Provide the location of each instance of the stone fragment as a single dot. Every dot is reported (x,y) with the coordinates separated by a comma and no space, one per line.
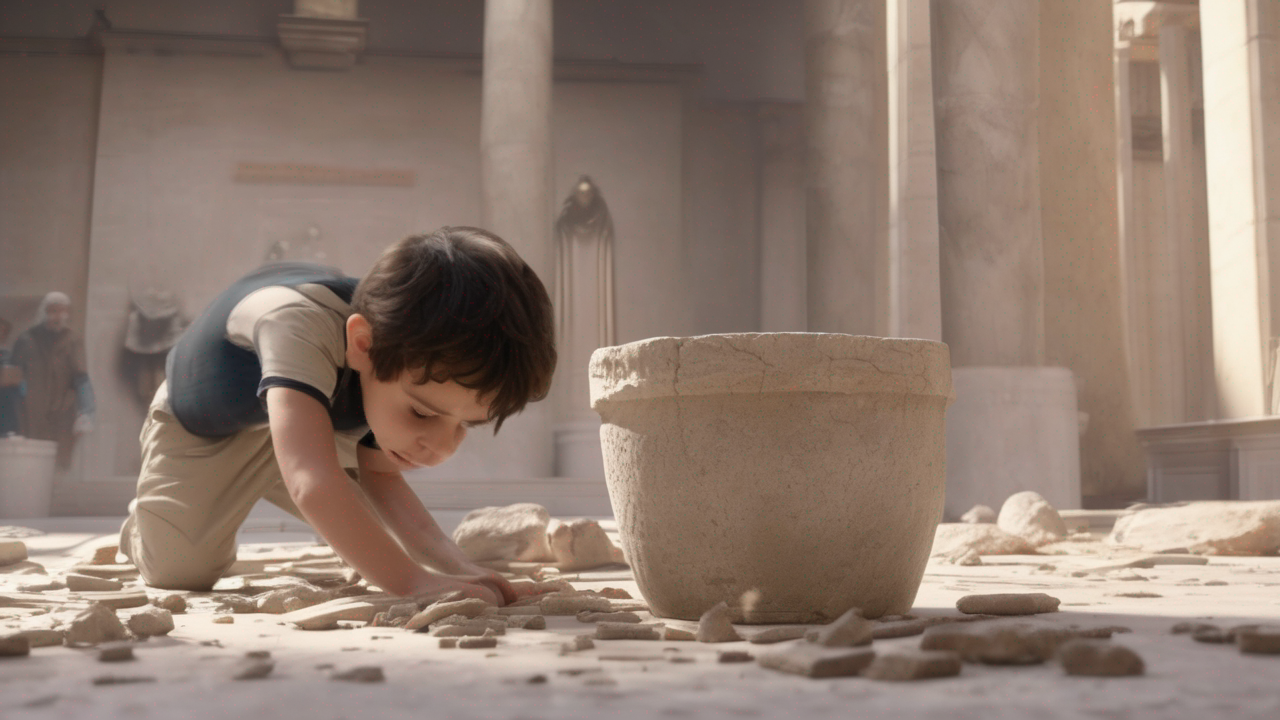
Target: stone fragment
(979,515)
(714,626)
(150,622)
(473,628)
(982,539)
(527,622)
(105,555)
(1029,516)
(513,532)
(237,604)
(44,637)
(15,645)
(96,624)
(537,680)
(900,628)
(848,630)
(361,674)
(175,604)
(44,586)
(1258,641)
(405,610)
(224,620)
(734,656)
(274,601)
(258,655)
(963,556)
(565,604)
(1203,528)
(293,604)
(1210,634)
(622,617)
(614,593)
(1099,658)
(470,607)
(115,652)
(580,544)
(578,643)
(122,679)
(116,600)
(1007,604)
(628,631)
(914,665)
(447,643)
(12,552)
(1019,644)
(675,634)
(253,669)
(816,661)
(474,643)
(325,615)
(777,634)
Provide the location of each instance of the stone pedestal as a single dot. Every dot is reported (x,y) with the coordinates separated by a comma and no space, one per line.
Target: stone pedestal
(1012,429)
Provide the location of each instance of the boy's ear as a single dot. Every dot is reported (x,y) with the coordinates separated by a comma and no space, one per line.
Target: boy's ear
(359,340)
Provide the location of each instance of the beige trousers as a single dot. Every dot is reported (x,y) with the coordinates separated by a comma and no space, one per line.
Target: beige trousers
(195,492)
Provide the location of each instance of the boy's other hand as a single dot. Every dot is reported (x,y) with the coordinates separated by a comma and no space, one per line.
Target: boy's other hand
(494,580)
(467,587)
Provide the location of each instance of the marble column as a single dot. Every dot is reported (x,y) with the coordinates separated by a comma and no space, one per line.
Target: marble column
(783,268)
(915,301)
(846,184)
(1241,60)
(1014,424)
(516,168)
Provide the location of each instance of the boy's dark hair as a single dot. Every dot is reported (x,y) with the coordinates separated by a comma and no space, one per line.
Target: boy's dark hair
(459,304)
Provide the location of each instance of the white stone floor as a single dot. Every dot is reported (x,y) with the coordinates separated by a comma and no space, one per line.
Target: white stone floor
(1184,679)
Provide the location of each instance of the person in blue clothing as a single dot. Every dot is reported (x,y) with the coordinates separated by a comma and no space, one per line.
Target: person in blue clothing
(57,399)
(298,372)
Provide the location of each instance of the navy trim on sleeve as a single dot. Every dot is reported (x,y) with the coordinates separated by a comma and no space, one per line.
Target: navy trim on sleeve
(277,381)
(370,441)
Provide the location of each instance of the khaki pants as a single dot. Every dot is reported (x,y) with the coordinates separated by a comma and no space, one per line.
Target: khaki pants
(195,492)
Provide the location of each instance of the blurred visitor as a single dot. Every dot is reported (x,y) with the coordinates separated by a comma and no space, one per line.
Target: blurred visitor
(58,403)
(10,385)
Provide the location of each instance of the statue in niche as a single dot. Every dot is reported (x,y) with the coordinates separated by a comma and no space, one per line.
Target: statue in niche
(156,321)
(584,285)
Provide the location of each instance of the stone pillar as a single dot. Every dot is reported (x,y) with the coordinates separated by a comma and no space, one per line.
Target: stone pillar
(1014,425)
(1241,60)
(845,183)
(915,301)
(783,268)
(516,168)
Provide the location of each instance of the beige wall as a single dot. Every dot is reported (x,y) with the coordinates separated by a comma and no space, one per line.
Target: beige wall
(1082,283)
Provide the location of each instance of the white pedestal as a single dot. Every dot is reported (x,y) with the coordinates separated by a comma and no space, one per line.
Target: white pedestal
(578,453)
(1012,429)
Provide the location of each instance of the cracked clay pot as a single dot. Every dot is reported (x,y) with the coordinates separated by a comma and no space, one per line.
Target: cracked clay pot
(792,475)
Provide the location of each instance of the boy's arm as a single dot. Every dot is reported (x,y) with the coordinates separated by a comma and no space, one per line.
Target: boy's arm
(302,435)
(410,520)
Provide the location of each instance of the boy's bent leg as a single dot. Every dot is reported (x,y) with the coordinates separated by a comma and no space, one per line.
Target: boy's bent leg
(193,494)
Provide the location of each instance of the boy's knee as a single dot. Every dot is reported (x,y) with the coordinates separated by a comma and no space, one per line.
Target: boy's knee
(167,559)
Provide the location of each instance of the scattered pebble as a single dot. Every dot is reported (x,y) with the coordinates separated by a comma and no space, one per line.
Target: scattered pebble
(1099,658)
(85,583)
(95,625)
(714,626)
(237,604)
(150,622)
(1259,641)
(115,652)
(579,643)
(448,642)
(224,620)
(478,642)
(914,665)
(362,674)
(12,552)
(816,661)
(1008,604)
(777,634)
(614,593)
(848,630)
(15,645)
(735,656)
(566,604)
(527,622)
(675,634)
(175,604)
(538,679)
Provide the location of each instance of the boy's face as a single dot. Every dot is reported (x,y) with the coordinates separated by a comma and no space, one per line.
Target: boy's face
(416,425)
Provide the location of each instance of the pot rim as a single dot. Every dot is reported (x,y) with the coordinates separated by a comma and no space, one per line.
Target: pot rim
(757,363)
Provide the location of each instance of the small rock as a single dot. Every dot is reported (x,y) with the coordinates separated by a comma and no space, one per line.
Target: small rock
(150,622)
(900,628)
(477,642)
(43,637)
(258,655)
(566,604)
(448,642)
(224,620)
(105,555)
(12,551)
(848,630)
(85,583)
(175,604)
(14,645)
(513,532)
(734,656)
(579,643)
(362,674)
(627,631)
(714,626)
(1259,641)
(1099,658)
(97,624)
(674,634)
(964,556)
(622,617)
(1210,634)
(1029,516)
(1233,527)
(816,661)
(406,610)
(538,679)
(580,545)
(276,602)
(777,634)
(115,652)
(527,622)
(40,587)
(237,604)
(614,593)
(470,607)
(472,628)
(293,603)
(253,669)
(122,679)
(1007,604)
(914,665)
(949,538)
(979,515)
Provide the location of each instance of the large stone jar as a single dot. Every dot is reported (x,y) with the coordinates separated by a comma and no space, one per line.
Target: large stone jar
(793,475)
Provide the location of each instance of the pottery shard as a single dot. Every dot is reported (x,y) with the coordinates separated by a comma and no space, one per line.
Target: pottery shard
(1007,604)
(848,630)
(96,624)
(12,551)
(580,544)
(628,631)
(777,634)
(914,665)
(175,604)
(274,601)
(1099,658)
(150,622)
(1029,516)
(477,642)
(714,626)
(816,661)
(953,538)
(15,645)
(1203,528)
(527,622)
(85,583)
(979,515)
(572,604)
(617,617)
(514,532)
(1258,641)
(471,607)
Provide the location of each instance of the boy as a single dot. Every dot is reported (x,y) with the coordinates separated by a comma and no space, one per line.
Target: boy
(297,372)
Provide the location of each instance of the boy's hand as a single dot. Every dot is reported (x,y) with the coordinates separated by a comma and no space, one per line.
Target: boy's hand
(491,579)
(474,589)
